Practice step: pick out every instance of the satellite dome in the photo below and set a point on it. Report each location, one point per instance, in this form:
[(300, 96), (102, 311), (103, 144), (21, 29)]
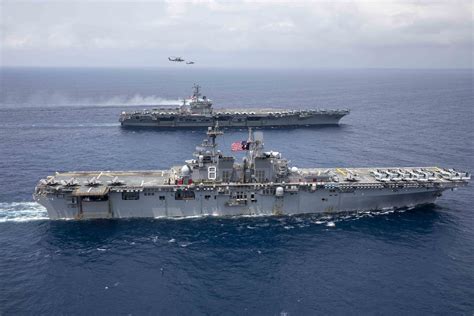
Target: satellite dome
[(294, 169), (279, 191), (185, 171)]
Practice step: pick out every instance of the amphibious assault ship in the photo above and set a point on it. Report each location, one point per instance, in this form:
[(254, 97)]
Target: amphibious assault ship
[(212, 183), (198, 112)]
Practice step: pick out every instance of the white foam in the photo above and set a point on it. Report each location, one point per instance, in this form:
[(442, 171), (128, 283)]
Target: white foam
[(178, 218), (22, 212), (251, 215)]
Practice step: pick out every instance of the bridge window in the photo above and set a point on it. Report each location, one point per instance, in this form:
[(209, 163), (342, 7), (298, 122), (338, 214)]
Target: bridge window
[(226, 175), (260, 175), (211, 173), (240, 195), (162, 197)]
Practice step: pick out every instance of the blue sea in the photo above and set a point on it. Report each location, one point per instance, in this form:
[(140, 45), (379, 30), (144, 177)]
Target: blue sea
[(410, 261)]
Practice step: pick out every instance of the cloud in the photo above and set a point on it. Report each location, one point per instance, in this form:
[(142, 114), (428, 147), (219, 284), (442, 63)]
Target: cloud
[(350, 31)]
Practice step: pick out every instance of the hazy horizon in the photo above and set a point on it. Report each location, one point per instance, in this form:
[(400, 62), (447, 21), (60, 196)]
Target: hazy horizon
[(395, 34), (165, 67)]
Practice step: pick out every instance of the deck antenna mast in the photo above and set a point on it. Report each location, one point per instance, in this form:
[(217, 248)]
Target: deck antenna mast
[(196, 91), (251, 151), (212, 133), (255, 146)]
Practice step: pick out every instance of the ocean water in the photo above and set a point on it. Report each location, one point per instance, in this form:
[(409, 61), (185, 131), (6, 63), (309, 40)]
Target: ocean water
[(417, 261)]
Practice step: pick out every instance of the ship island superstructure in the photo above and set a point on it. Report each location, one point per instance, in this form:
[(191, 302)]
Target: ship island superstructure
[(212, 183), (197, 111)]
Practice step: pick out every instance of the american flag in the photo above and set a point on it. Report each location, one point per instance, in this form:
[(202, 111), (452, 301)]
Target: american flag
[(239, 146)]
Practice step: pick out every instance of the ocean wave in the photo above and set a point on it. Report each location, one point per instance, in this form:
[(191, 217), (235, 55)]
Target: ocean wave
[(301, 220), (22, 212)]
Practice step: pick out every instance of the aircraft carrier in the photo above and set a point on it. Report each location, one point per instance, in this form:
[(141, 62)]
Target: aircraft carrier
[(197, 111), (263, 184)]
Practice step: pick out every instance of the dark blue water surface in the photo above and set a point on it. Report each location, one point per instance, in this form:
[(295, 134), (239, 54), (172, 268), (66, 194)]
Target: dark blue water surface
[(418, 261)]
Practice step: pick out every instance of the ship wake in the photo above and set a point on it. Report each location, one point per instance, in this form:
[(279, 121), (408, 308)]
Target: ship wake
[(22, 212), (119, 100)]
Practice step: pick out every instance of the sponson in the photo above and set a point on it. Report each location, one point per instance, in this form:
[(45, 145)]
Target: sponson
[(212, 183)]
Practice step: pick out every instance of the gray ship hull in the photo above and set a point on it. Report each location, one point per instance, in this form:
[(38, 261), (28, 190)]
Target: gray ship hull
[(198, 112), (231, 199), (212, 184), (301, 203), (231, 121)]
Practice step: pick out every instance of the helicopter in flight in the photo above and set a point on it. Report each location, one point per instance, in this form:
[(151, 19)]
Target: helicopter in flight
[(177, 59)]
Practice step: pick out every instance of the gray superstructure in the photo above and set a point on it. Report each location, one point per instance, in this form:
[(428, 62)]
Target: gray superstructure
[(263, 184), (198, 112)]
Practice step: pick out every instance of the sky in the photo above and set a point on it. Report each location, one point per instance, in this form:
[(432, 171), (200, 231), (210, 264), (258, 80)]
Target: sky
[(241, 34)]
